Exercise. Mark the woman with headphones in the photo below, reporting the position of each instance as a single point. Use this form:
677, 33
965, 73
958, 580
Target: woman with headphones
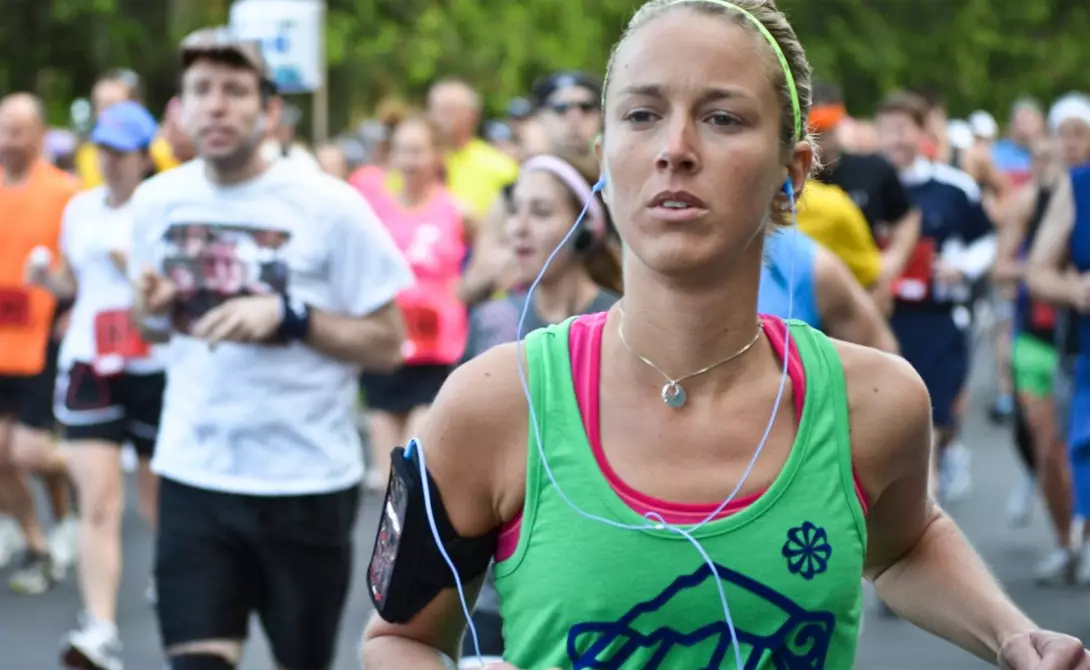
680, 482
583, 278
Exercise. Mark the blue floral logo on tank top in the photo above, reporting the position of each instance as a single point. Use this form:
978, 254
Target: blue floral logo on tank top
807, 550
666, 633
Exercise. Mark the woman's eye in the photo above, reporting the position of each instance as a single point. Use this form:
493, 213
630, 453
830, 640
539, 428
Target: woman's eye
639, 116
722, 119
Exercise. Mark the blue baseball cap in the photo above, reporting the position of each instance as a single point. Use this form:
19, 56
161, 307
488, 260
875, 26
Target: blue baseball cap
126, 126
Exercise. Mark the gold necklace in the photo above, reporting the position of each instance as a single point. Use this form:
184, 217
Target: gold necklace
673, 393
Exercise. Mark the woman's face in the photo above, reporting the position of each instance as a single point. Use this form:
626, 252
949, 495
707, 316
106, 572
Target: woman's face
1074, 137
541, 215
692, 143
413, 151
122, 170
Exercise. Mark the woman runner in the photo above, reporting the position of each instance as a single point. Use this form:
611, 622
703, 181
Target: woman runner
110, 385
426, 223
704, 123
1035, 358
1062, 241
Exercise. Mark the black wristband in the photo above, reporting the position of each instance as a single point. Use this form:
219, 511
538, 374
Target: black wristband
295, 322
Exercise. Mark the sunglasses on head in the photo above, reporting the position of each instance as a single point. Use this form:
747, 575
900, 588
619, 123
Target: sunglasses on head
562, 108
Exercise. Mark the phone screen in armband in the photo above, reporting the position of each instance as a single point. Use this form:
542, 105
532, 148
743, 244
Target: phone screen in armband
409, 565
390, 531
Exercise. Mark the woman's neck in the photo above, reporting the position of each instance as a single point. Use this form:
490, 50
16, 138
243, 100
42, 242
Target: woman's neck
116, 196
564, 296
414, 195
684, 329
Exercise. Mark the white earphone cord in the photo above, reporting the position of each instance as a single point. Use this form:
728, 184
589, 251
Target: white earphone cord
655, 521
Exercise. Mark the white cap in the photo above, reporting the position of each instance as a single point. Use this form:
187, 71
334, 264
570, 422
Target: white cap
960, 134
983, 125
1070, 107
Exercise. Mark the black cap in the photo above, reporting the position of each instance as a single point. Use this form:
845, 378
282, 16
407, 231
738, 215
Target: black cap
545, 87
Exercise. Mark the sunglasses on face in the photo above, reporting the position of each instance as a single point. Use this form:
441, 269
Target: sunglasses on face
563, 108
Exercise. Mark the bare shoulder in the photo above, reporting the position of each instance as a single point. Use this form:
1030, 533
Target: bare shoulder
889, 414
475, 441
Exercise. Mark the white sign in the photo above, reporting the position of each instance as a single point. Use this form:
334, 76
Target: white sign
291, 34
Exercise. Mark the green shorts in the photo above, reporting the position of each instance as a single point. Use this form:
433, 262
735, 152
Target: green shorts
1034, 364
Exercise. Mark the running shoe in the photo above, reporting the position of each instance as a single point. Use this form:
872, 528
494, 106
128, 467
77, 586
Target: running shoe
1082, 566
151, 594
955, 475
11, 541
64, 546
1020, 502
1002, 409
1057, 568
34, 576
93, 646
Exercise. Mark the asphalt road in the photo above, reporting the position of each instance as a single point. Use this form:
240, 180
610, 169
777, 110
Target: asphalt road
30, 628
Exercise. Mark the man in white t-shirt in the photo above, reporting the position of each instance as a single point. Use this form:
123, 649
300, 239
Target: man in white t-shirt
275, 287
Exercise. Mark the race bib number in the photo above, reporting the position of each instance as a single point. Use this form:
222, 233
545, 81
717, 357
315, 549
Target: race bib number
1042, 316
14, 308
117, 340
422, 331
914, 285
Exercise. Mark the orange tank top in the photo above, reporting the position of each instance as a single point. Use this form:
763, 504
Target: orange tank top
30, 217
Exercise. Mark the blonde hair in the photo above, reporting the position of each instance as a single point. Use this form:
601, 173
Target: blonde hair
766, 13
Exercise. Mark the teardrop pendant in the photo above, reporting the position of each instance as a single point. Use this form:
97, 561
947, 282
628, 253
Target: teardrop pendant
673, 395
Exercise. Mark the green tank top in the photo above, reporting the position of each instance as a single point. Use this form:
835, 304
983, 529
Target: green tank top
580, 594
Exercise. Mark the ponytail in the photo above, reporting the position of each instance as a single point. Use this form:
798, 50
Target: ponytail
603, 263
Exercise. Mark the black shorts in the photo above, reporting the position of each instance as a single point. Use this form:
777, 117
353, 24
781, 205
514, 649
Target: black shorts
30, 398
405, 389
121, 408
222, 556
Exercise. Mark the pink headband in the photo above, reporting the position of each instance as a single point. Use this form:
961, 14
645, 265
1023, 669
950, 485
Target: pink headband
563, 170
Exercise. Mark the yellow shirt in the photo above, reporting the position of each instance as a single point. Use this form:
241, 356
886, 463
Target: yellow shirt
830, 216
87, 161
476, 174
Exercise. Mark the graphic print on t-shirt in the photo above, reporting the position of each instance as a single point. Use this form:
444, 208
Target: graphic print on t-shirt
212, 263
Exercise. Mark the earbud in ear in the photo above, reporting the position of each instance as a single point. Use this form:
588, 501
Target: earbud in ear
583, 239
599, 185
789, 188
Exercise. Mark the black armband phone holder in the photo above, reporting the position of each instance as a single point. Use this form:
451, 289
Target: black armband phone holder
407, 569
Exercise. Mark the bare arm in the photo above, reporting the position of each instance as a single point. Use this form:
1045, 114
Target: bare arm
847, 311
483, 275
373, 341
1012, 233
153, 296
917, 558
904, 233
60, 281
476, 452
1045, 269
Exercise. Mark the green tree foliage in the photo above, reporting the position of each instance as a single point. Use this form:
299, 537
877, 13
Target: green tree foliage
980, 53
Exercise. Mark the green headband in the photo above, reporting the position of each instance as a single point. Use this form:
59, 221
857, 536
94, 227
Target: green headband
789, 78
